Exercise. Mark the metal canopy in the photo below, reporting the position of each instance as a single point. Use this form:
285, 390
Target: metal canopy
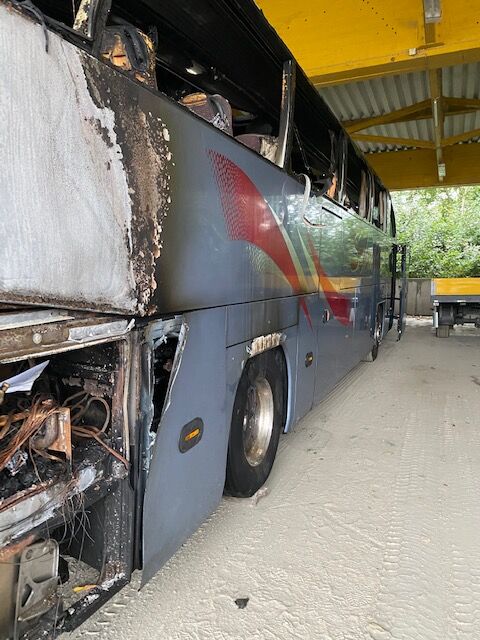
403, 77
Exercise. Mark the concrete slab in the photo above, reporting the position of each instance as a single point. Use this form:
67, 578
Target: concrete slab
370, 527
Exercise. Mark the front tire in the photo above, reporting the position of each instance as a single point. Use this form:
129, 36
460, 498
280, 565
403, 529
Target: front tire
258, 419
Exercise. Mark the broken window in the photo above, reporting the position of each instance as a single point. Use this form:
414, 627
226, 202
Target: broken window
79, 16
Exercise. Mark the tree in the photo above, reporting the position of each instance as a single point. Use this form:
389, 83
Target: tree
442, 230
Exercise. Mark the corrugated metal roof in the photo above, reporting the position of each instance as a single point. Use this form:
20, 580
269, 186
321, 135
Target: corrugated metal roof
379, 96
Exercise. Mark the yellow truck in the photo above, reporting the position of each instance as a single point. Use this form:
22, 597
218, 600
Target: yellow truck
455, 301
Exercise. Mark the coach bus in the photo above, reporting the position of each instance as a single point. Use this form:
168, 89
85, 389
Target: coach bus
193, 254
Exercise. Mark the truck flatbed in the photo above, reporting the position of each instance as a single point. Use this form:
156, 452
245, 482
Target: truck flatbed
455, 301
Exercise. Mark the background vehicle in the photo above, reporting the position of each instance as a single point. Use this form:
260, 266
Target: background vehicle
455, 301
199, 252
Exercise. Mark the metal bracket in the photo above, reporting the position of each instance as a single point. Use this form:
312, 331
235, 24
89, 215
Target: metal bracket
37, 583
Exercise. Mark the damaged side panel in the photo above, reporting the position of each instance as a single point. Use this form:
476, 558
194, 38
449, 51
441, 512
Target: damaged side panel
75, 179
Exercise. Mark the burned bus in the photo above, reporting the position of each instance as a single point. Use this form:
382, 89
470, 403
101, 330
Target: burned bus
193, 254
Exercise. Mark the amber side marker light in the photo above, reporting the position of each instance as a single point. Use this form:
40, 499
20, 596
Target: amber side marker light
190, 435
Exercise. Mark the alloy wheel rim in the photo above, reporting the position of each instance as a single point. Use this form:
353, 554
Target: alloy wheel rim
258, 421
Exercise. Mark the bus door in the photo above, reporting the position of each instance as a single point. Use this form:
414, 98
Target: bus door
334, 311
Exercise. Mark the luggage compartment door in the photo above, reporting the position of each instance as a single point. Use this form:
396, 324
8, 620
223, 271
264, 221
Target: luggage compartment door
186, 472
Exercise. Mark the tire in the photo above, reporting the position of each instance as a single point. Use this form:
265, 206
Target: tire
258, 419
377, 337
443, 331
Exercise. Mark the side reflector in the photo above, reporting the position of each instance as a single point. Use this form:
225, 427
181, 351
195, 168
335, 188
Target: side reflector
190, 435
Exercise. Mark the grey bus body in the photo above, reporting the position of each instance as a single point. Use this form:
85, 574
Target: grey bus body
148, 256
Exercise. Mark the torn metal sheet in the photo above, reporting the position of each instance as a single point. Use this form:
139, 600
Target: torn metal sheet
24, 380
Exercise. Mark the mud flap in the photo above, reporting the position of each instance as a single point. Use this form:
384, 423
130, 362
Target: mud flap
185, 483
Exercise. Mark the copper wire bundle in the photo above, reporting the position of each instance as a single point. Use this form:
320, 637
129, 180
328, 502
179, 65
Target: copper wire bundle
33, 420
43, 408
78, 411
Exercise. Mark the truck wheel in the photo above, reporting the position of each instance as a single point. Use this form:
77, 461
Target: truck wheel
443, 331
258, 419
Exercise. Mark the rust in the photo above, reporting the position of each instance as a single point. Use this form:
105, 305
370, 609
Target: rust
14, 549
56, 435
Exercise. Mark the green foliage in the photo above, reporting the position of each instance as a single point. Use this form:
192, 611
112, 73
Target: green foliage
442, 230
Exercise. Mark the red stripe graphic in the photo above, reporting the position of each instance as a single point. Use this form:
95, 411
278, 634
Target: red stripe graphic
248, 217
340, 305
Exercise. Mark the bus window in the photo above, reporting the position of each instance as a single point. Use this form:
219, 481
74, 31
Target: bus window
342, 156
363, 208
384, 210
63, 12
376, 209
381, 211
391, 219
319, 165
78, 15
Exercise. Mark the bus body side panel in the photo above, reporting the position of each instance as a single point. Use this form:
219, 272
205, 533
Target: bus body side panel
307, 350
183, 489
268, 318
358, 286
262, 318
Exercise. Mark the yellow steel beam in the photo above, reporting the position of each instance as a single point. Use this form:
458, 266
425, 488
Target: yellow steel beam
453, 104
337, 42
399, 142
461, 137
398, 115
417, 168
418, 111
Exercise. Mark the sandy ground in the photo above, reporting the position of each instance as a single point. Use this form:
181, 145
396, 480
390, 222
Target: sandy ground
370, 527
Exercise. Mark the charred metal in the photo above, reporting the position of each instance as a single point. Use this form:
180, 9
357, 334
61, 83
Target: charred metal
64, 472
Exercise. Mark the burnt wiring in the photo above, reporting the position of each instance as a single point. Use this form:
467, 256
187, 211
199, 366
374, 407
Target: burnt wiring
32, 421
26, 431
79, 409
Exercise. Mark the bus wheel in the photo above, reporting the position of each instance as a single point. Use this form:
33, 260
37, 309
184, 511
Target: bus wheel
257, 421
377, 337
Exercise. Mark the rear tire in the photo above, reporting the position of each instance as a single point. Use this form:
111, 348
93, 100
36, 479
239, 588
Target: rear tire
443, 331
258, 419
377, 337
